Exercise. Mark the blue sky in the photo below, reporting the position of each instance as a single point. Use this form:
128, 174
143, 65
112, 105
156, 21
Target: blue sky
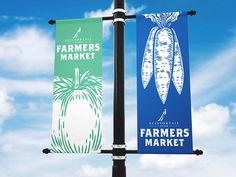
26, 73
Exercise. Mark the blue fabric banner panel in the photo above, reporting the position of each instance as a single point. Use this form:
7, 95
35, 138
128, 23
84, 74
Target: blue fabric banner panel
163, 84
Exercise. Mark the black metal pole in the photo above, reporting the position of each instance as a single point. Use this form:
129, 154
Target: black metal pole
119, 152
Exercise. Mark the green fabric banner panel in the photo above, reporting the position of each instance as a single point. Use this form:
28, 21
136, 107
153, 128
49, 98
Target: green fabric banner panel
77, 90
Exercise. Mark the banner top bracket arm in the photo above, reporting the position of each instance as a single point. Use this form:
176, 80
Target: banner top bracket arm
190, 13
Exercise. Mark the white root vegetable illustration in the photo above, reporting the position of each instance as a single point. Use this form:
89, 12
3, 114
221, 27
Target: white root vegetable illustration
147, 65
84, 87
77, 105
178, 70
162, 46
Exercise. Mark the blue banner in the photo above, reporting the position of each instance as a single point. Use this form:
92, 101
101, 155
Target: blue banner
163, 84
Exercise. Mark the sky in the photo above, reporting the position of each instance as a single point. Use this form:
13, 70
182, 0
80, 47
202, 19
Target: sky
26, 72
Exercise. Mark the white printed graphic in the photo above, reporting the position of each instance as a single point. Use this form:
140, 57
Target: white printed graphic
162, 46
163, 115
178, 70
147, 65
77, 33
77, 109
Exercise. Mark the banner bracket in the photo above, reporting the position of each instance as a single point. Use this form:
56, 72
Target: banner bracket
119, 146
190, 13
119, 20
118, 157
119, 10
195, 152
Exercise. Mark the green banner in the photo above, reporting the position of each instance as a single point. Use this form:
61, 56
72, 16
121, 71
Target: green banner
77, 91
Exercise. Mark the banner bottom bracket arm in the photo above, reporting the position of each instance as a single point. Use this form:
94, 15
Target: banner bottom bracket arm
195, 152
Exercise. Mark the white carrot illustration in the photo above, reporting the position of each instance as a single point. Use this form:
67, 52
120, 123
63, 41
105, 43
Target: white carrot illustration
166, 53
163, 55
147, 65
178, 70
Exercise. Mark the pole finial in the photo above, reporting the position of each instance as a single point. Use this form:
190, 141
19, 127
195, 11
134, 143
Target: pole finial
46, 151
198, 152
51, 22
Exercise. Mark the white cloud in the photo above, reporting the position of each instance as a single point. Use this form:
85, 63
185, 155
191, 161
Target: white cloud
131, 143
107, 132
216, 165
102, 13
130, 10
18, 18
7, 108
233, 105
88, 170
25, 138
130, 84
108, 12
214, 78
107, 63
210, 120
211, 133
165, 162
38, 110
26, 50
26, 145
107, 99
22, 18
4, 18
30, 142
33, 87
